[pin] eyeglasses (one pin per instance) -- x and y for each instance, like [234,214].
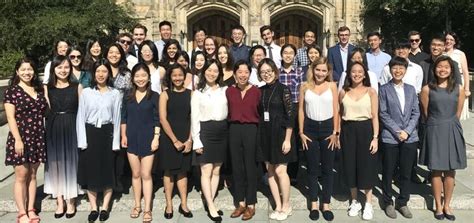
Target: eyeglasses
[73,57]
[125,42]
[414,40]
[266,72]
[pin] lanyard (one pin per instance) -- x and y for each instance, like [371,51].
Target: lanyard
[269,99]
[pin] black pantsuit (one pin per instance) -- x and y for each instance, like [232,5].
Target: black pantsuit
[402,155]
[242,146]
[359,165]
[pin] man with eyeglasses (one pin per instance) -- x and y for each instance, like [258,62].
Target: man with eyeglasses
[337,55]
[125,41]
[416,54]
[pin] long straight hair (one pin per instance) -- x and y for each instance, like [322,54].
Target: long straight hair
[348,83]
[122,66]
[202,80]
[58,60]
[140,66]
[97,64]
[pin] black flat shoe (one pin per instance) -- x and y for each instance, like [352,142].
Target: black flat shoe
[439,216]
[93,216]
[214,219]
[184,213]
[220,212]
[168,215]
[104,215]
[450,217]
[328,215]
[314,215]
[71,215]
[60,215]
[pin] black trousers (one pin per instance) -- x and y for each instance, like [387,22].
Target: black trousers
[293,167]
[242,146]
[320,159]
[360,167]
[402,155]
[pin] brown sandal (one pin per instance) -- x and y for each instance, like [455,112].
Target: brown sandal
[145,215]
[136,212]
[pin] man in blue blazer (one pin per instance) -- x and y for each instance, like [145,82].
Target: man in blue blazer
[337,55]
[399,114]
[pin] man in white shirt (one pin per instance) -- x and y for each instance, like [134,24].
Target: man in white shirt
[125,40]
[166,31]
[257,54]
[376,58]
[139,34]
[414,73]
[199,37]
[272,50]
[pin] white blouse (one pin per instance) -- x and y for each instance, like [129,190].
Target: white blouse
[318,107]
[155,81]
[208,105]
[98,108]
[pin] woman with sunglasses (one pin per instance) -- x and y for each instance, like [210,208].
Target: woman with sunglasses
[78,74]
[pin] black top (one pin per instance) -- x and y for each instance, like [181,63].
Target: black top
[141,119]
[428,71]
[418,57]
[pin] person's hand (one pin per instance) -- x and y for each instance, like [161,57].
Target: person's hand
[333,141]
[402,135]
[124,142]
[304,141]
[467,93]
[199,151]
[374,146]
[154,144]
[286,147]
[188,145]
[178,145]
[19,147]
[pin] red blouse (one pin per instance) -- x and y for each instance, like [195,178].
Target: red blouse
[243,110]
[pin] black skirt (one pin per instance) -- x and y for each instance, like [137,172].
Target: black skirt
[96,163]
[214,137]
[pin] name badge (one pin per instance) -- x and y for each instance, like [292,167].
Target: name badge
[266,116]
[99,123]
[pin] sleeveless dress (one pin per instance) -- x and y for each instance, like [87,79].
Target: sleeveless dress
[60,175]
[456,56]
[443,145]
[29,115]
[179,116]
[276,99]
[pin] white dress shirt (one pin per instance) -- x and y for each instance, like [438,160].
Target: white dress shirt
[253,79]
[399,89]
[413,76]
[276,56]
[208,105]
[98,108]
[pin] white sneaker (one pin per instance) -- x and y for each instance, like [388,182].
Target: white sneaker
[354,209]
[273,215]
[368,212]
[281,216]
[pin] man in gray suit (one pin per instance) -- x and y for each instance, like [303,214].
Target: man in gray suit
[399,114]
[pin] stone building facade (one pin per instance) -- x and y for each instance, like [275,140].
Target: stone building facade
[289,18]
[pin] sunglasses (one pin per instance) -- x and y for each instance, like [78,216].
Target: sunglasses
[415,40]
[125,42]
[73,57]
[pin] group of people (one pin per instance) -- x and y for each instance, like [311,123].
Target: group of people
[230,108]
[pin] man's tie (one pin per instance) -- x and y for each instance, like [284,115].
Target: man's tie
[270,54]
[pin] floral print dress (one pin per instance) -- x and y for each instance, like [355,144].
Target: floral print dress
[29,115]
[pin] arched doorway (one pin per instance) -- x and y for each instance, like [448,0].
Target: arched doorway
[290,27]
[217,24]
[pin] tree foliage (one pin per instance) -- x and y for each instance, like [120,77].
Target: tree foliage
[397,17]
[32,27]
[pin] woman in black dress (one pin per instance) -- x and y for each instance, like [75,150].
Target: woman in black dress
[275,135]
[174,155]
[25,106]
[60,175]
[209,130]
[140,133]
[227,62]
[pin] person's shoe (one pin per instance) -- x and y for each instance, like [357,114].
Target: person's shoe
[168,215]
[136,212]
[314,215]
[281,216]
[93,216]
[220,212]
[405,211]
[439,216]
[450,217]
[60,215]
[214,219]
[273,215]
[354,209]
[186,214]
[248,213]
[238,212]
[390,211]
[71,215]
[288,212]
[104,215]
[368,213]
[147,217]
[328,215]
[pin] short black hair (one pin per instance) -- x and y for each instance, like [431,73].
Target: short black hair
[265,27]
[374,34]
[239,63]
[164,23]
[256,47]
[398,61]
[402,44]
[439,36]
[199,29]
[140,26]
[239,27]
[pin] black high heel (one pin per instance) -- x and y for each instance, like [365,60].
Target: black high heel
[71,215]
[60,215]
[188,214]
[168,215]
[214,219]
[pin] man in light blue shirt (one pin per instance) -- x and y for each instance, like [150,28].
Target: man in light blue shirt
[166,31]
[376,58]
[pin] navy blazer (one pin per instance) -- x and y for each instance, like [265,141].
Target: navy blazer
[391,115]
[335,59]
